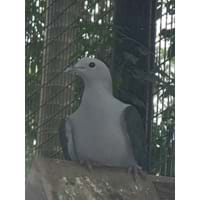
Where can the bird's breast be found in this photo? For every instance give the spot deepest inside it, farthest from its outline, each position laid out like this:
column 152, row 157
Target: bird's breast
column 99, row 136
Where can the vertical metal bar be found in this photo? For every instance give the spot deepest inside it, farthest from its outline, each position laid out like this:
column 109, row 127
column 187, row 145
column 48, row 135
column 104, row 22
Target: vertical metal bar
column 149, row 95
column 165, row 79
column 42, row 93
column 159, row 63
column 173, row 103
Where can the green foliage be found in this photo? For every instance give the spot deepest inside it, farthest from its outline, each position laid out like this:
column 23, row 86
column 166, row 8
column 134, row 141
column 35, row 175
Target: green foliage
column 34, row 40
column 163, row 137
column 95, row 29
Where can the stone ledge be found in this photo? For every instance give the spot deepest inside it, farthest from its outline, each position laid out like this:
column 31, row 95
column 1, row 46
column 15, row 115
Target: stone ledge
column 51, row 179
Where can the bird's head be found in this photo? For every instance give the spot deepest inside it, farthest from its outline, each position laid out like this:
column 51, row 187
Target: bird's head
column 91, row 70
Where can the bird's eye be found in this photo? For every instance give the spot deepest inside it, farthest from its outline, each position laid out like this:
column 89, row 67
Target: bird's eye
column 92, row 64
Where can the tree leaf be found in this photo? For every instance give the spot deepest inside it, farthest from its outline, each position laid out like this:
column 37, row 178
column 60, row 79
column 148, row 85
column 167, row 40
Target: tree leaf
column 167, row 33
column 171, row 51
column 170, row 7
column 170, row 91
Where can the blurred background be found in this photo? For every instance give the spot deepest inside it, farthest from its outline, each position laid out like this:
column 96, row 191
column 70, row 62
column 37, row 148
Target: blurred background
column 136, row 38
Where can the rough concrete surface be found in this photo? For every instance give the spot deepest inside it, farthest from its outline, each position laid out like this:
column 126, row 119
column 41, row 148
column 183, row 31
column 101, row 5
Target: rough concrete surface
column 65, row 180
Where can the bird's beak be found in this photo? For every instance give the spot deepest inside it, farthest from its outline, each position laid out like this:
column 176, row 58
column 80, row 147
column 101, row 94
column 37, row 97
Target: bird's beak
column 73, row 68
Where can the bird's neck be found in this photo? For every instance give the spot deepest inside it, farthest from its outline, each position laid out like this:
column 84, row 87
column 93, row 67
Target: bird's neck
column 96, row 92
column 98, row 86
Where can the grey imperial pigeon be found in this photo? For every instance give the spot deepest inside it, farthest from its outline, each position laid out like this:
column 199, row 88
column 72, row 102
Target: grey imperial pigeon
column 103, row 130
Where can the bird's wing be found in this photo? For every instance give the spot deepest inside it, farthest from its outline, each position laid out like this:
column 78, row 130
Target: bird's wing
column 67, row 139
column 135, row 129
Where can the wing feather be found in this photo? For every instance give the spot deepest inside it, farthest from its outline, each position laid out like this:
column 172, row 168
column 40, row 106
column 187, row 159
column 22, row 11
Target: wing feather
column 67, row 140
column 135, row 129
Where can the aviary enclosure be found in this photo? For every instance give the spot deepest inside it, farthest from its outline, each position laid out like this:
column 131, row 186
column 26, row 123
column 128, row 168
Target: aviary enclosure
column 134, row 37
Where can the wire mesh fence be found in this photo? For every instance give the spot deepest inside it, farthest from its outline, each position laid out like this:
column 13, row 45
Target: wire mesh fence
column 163, row 122
column 58, row 33
column 70, row 30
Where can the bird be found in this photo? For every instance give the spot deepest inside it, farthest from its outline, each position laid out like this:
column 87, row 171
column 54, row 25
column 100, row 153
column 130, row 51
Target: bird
column 103, row 130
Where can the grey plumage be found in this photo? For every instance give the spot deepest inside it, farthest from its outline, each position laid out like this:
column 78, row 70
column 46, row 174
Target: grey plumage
column 135, row 129
column 67, row 140
column 103, row 129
